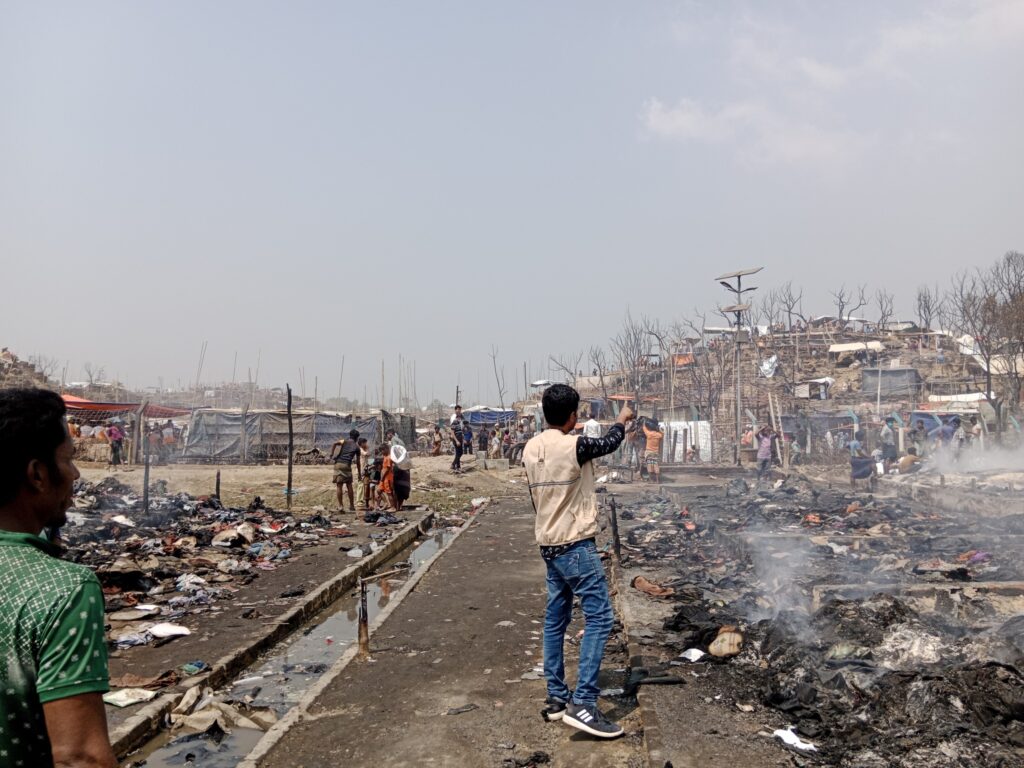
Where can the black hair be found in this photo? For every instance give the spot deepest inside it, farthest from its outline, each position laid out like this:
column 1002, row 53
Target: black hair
column 31, row 428
column 859, row 435
column 911, row 451
column 559, row 402
column 354, row 434
column 390, row 432
column 361, row 440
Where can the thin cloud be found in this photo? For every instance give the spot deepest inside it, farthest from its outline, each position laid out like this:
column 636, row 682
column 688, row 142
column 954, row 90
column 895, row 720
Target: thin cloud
column 760, row 135
column 791, row 107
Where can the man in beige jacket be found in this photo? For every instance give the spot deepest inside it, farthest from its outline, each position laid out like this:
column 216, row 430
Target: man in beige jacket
column 560, row 472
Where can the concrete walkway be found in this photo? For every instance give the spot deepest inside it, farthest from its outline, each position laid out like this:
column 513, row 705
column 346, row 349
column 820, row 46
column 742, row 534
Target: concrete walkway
column 445, row 686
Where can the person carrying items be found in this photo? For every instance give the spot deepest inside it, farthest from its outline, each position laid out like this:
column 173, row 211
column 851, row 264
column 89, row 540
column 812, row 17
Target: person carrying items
column 560, row 472
column 764, row 439
column 401, row 476
column 54, row 671
column 862, row 466
column 343, row 454
column 652, row 451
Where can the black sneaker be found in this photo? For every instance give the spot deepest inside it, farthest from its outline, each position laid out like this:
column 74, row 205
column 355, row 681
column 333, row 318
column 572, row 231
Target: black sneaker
column 589, row 719
column 554, row 710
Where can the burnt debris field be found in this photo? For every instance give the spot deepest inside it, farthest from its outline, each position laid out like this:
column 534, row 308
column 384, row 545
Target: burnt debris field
column 861, row 631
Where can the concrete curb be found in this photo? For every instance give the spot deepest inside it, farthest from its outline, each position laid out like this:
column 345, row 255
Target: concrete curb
column 147, row 722
column 300, row 711
column 656, row 754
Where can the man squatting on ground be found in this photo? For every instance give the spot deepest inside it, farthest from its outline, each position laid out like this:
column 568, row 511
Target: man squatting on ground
column 560, row 471
column 53, row 653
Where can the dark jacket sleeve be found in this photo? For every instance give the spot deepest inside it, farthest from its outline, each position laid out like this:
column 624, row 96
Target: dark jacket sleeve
column 590, row 448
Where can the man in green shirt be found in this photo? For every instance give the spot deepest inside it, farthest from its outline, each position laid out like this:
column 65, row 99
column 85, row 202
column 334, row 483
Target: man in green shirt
column 53, row 654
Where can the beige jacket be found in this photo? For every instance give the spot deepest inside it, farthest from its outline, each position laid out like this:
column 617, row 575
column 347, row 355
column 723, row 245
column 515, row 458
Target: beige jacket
column 562, row 491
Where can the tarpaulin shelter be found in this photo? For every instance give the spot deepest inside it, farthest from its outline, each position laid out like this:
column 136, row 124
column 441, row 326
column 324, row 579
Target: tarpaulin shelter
column 814, row 389
column 403, row 424
column 485, row 416
column 895, row 382
column 222, row 435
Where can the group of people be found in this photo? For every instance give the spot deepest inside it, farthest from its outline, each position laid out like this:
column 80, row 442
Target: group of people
column 377, row 480
column 949, row 439
column 494, row 443
column 161, row 441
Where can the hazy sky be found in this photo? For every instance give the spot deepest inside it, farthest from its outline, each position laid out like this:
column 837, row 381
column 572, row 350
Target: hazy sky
column 311, row 179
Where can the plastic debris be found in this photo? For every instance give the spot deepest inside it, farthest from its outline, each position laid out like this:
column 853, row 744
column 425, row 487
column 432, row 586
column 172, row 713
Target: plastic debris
column 169, row 630
column 126, row 697
column 791, row 739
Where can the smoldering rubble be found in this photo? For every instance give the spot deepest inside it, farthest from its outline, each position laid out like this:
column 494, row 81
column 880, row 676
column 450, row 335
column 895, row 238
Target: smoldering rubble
column 883, row 634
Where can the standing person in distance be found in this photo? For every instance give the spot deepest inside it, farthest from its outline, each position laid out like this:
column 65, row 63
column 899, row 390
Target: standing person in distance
column 560, row 471
column 116, row 437
column 652, row 451
column 887, row 439
column 764, row 439
column 343, row 454
column 458, row 428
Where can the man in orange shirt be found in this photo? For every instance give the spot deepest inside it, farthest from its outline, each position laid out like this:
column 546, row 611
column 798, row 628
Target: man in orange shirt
column 652, row 455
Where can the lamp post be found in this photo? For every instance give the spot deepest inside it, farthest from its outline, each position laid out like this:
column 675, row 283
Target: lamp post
column 737, row 308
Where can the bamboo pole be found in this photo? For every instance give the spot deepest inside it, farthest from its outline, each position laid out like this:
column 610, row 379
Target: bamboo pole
column 291, row 446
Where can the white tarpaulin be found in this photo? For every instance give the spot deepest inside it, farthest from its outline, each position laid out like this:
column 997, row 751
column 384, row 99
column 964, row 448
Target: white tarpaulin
column 857, row 346
column 971, row 397
column 768, row 367
column 696, row 432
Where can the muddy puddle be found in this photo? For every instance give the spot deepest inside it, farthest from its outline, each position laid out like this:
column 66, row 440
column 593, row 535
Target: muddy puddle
column 279, row 679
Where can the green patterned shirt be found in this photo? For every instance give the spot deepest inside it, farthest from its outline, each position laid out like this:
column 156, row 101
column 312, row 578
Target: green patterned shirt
column 52, row 644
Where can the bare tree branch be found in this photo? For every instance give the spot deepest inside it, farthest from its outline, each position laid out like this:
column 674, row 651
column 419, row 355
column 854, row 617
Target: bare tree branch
column 599, row 359
column 93, row 374
column 630, row 347
column 47, row 366
column 569, row 365
column 886, row 302
column 929, row 306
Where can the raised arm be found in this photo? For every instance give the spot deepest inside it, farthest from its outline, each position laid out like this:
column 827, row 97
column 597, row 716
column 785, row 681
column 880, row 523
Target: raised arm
column 590, row 448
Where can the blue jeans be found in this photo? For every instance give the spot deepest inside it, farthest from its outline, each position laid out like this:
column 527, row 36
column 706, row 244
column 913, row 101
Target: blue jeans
column 576, row 573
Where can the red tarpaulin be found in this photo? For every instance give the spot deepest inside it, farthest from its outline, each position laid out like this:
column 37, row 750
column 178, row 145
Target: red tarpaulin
column 83, row 406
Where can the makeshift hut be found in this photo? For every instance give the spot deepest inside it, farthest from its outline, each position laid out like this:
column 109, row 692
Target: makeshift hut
column 895, row 382
column 257, row 436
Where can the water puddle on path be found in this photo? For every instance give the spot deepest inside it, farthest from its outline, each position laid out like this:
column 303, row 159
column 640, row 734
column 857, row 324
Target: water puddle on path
column 279, row 679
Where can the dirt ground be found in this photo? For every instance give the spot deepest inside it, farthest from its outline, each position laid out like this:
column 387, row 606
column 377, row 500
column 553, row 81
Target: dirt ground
column 433, row 483
column 445, row 648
